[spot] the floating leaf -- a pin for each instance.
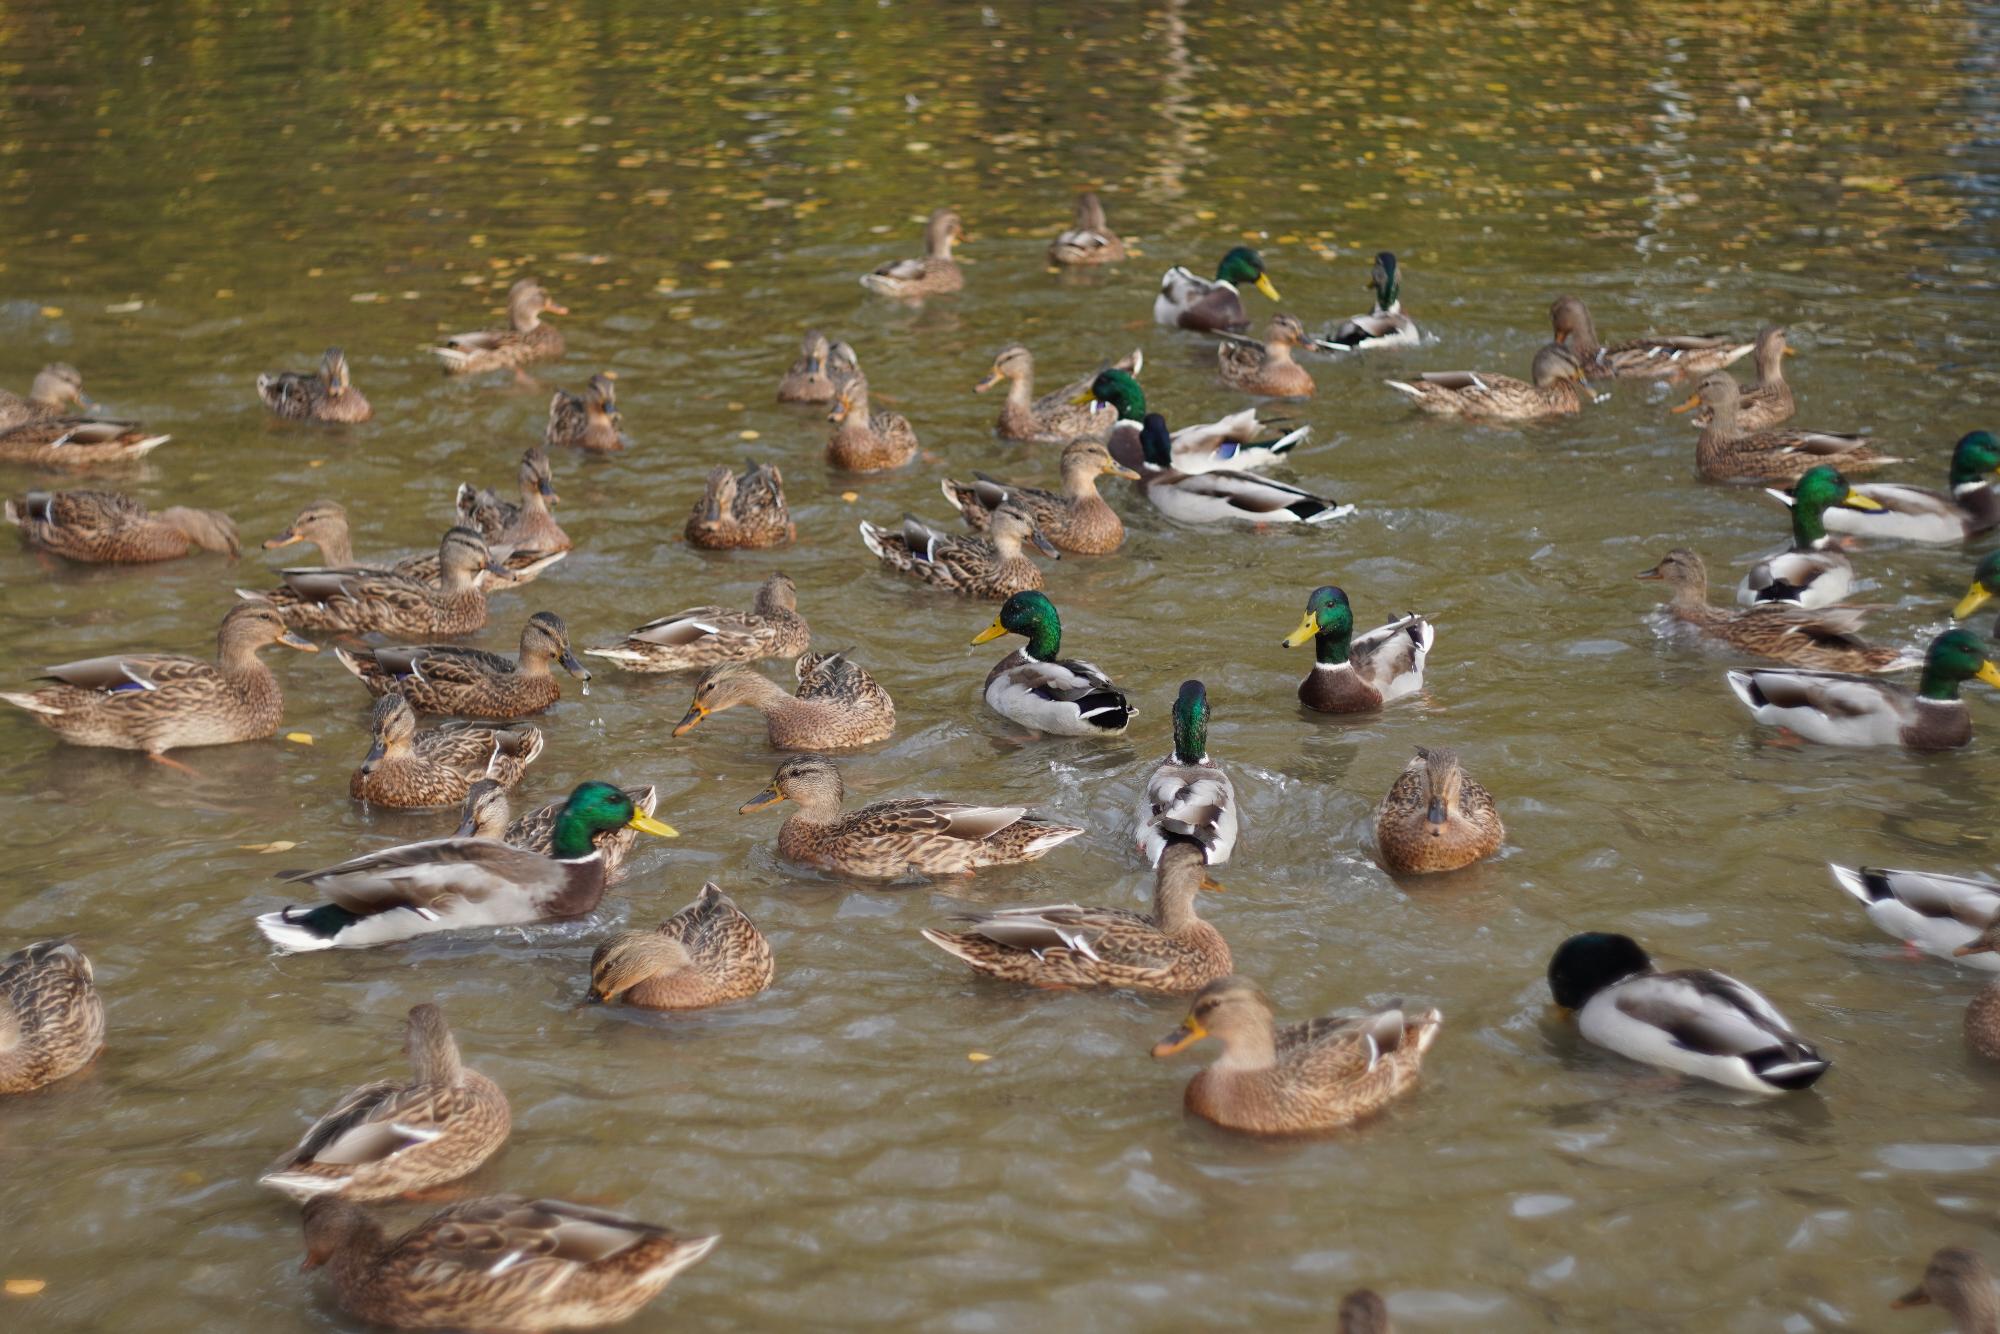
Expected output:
(850, 496)
(299, 738)
(25, 1287)
(51, 312)
(977, 1056)
(266, 849)
(746, 435)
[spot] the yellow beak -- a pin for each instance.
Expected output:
(289, 537)
(1854, 500)
(1975, 598)
(1212, 885)
(1117, 469)
(1264, 285)
(646, 824)
(1989, 673)
(1688, 406)
(993, 631)
(1189, 1033)
(293, 639)
(992, 378)
(770, 796)
(1308, 627)
(1085, 397)
(688, 720)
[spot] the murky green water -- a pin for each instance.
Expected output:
(264, 180)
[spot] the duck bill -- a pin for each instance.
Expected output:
(646, 824)
(1989, 673)
(293, 639)
(1854, 500)
(1435, 818)
(575, 668)
(1914, 1297)
(375, 753)
(1043, 545)
(992, 378)
(1211, 885)
(689, 719)
(839, 413)
(1265, 286)
(1653, 573)
(1087, 396)
(991, 632)
(553, 309)
(1189, 1033)
(284, 539)
(1689, 406)
(1116, 469)
(770, 796)
(1975, 598)
(1308, 627)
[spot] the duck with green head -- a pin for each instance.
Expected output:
(1985, 587)
(1918, 514)
(450, 884)
(1352, 675)
(1838, 710)
(1190, 302)
(1814, 573)
(1386, 325)
(1037, 687)
(1187, 795)
(1240, 441)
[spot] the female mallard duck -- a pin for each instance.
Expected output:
(1557, 390)
(705, 954)
(526, 526)
(1364, 1312)
(1217, 496)
(111, 528)
(157, 702)
(1726, 452)
(73, 444)
(1958, 1283)
(1188, 302)
(501, 1263)
(837, 705)
(1827, 639)
(450, 884)
(864, 440)
(1939, 914)
(1837, 710)
(51, 1015)
(990, 567)
(1814, 572)
(811, 377)
(1654, 357)
(1052, 419)
(56, 386)
(1917, 514)
(470, 682)
(936, 272)
(1187, 795)
(1240, 441)
(1090, 240)
(1352, 675)
(360, 600)
(1694, 1020)
(526, 339)
(888, 839)
(700, 637)
(1982, 1014)
(589, 420)
(1038, 688)
(323, 524)
(325, 395)
(1320, 1075)
(1062, 945)
(1386, 325)
(407, 769)
(1435, 818)
(742, 512)
(1075, 520)
(485, 816)
(394, 1137)
(1768, 402)
(1267, 368)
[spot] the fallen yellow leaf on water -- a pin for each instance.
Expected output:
(718, 264)
(850, 496)
(51, 312)
(746, 435)
(25, 1287)
(1881, 185)
(282, 845)
(315, 463)
(977, 1056)
(302, 738)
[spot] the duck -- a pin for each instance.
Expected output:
(1301, 1079)
(1435, 817)
(111, 528)
(809, 379)
(526, 526)
(78, 444)
(889, 839)
(1187, 795)
(1654, 357)
(1814, 572)
(706, 954)
(396, 1137)
(51, 1014)
(1728, 453)
(1037, 687)
(1826, 640)
(1985, 585)
(1958, 1283)
(1384, 326)
(1982, 1012)
(56, 386)
(361, 600)
(1694, 1021)
(1768, 402)
(988, 566)
(1170, 951)
(451, 884)
(1219, 496)
(525, 341)
(500, 1263)
(1556, 390)
(1090, 239)
(1266, 368)
(323, 524)
(701, 637)
(1969, 508)
(742, 513)
(325, 395)
(934, 273)
(1939, 914)
(157, 702)
(590, 420)
(1055, 418)
(1352, 675)
(1188, 302)
(1364, 1312)
(408, 770)
(864, 440)
(1837, 710)
(1239, 442)
(838, 704)
(1076, 519)
(470, 682)
(486, 811)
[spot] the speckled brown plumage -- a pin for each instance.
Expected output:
(56, 386)
(1556, 390)
(410, 769)
(1267, 368)
(1654, 357)
(991, 567)
(1089, 239)
(838, 704)
(111, 528)
(359, 600)
(1727, 452)
(1826, 638)
(1077, 519)
(527, 524)
(705, 954)
(486, 810)
(1434, 818)
(325, 395)
(1054, 418)
(470, 682)
(323, 524)
(525, 341)
(51, 1017)
(935, 272)
(588, 421)
(864, 440)
(741, 512)
(700, 637)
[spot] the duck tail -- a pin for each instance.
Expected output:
(32, 703)
(295, 930)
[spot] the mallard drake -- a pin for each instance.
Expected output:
(837, 705)
(1386, 325)
(1316, 1076)
(1188, 302)
(1436, 818)
(699, 637)
(56, 386)
(1054, 418)
(742, 512)
(1352, 675)
(1727, 453)
(1939, 914)
(1557, 390)
(589, 420)
(111, 528)
(526, 526)
(1814, 572)
(51, 1014)
(73, 444)
(450, 884)
(1090, 240)
(393, 1137)
(1266, 368)
(1917, 514)
(1984, 587)
(157, 702)
(485, 813)
(1766, 403)
(1827, 639)
(1217, 496)
(470, 682)
(323, 524)
(888, 839)
(1694, 1020)
(1654, 357)
(360, 600)
(810, 378)
(705, 954)
(936, 272)
(1240, 441)
(407, 769)
(501, 1263)
(1061, 945)
(1075, 520)
(1837, 710)
(325, 395)
(1364, 1312)
(526, 339)
(1038, 688)
(1958, 1283)
(990, 567)
(1187, 795)
(863, 440)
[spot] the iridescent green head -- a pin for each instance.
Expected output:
(1191, 723)
(1956, 656)
(1818, 491)
(1386, 281)
(1121, 391)
(1032, 614)
(1328, 622)
(598, 808)
(1244, 267)
(1985, 587)
(1975, 459)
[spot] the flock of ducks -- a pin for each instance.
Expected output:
(506, 1262)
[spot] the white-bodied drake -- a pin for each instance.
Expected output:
(1814, 573)
(1187, 795)
(1939, 914)
(1838, 710)
(1919, 514)
(1221, 497)
(1353, 675)
(1239, 442)
(1386, 325)
(1037, 687)
(1188, 302)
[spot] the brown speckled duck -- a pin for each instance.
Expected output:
(470, 682)
(1827, 638)
(56, 386)
(820, 365)
(1726, 452)
(705, 954)
(935, 272)
(1054, 418)
(864, 440)
(1434, 818)
(1077, 519)
(1267, 368)
(992, 567)
(77, 444)
(747, 512)
(1557, 390)
(361, 600)
(50, 1014)
(1089, 240)
(409, 769)
(486, 811)
(525, 341)
(325, 395)
(701, 637)
(1957, 1282)
(588, 421)
(1654, 357)
(838, 704)
(526, 525)
(1982, 1016)
(1364, 1312)
(111, 528)
(323, 524)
